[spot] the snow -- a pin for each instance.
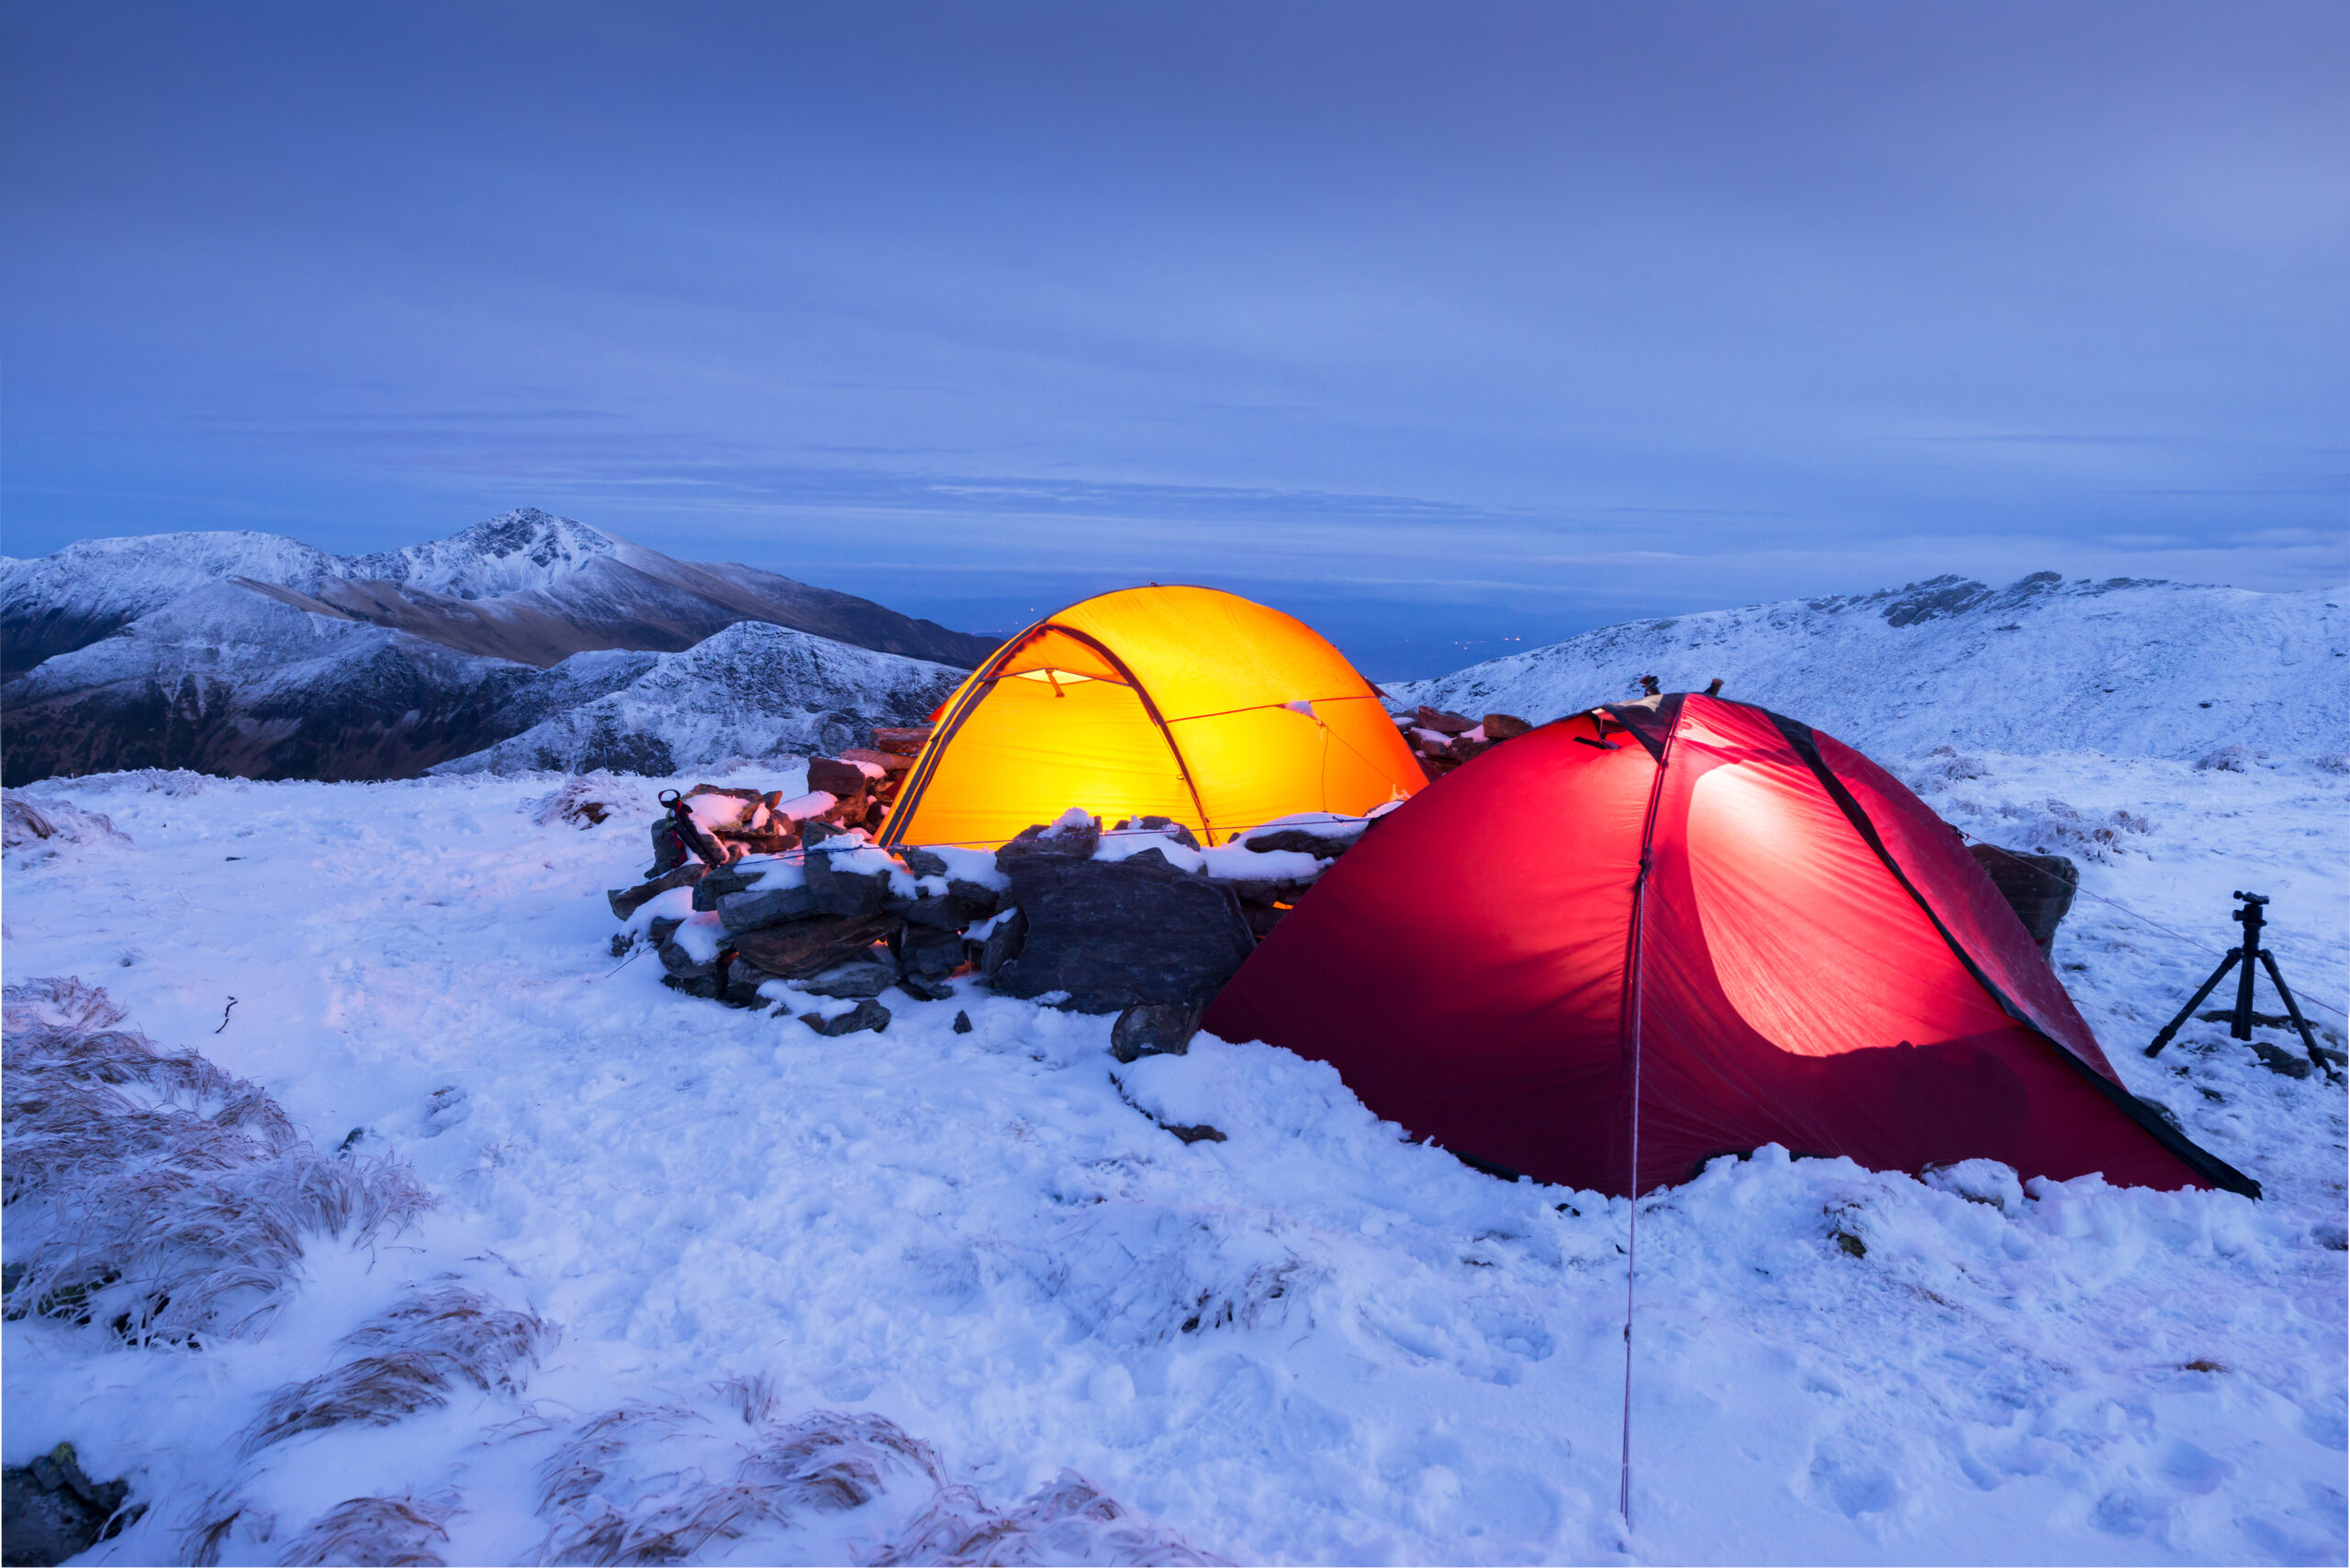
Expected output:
(977, 1266)
(2131, 667)
(750, 690)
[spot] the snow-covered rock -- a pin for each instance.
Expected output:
(751, 690)
(525, 548)
(2125, 666)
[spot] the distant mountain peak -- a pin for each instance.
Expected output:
(524, 548)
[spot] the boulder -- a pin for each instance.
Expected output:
(1154, 1028)
(887, 762)
(981, 900)
(869, 974)
(1321, 845)
(668, 847)
(757, 908)
(1503, 726)
(835, 777)
(901, 740)
(865, 1015)
(924, 989)
(1168, 826)
(626, 901)
(1000, 945)
(1441, 723)
(2038, 888)
(1113, 933)
(1074, 837)
(841, 892)
(53, 1512)
(807, 947)
(929, 953)
(722, 881)
(740, 985)
(659, 931)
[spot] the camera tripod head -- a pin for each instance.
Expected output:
(2251, 898)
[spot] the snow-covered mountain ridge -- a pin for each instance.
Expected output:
(2127, 666)
(526, 585)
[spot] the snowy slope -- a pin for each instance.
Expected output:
(1312, 1342)
(750, 691)
(2127, 666)
(525, 548)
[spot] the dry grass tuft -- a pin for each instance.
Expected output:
(401, 1532)
(152, 1188)
(1068, 1520)
(657, 1484)
(415, 1354)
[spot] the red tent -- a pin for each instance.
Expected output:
(1745, 929)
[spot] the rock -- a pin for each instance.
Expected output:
(1201, 1134)
(981, 900)
(867, 1014)
(1436, 767)
(1464, 749)
(1263, 917)
(1503, 726)
(929, 953)
(742, 982)
(807, 947)
(2038, 888)
(906, 740)
(661, 928)
(1001, 944)
(843, 892)
(924, 989)
(757, 908)
(962, 1023)
(1113, 934)
(685, 966)
(923, 862)
(725, 879)
(838, 777)
(1322, 846)
(864, 976)
(817, 830)
(1154, 1028)
(1167, 825)
(53, 1512)
(2292, 1064)
(886, 761)
(1442, 724)
(626, 901)
(964, 902)
(1071, 838)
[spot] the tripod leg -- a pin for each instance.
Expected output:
(2193, 1002)
(2240, 1028)
(2293, 1011)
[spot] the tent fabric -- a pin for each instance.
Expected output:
(1709, 916)
(1184, 702)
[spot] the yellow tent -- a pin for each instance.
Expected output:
(1181, 703)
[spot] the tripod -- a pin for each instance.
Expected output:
(2241, 1020)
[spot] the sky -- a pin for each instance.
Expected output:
(1450, 327)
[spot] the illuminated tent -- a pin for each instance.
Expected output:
(1635, 940)
(1181, 703)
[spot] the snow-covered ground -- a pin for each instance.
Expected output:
(788, 1262)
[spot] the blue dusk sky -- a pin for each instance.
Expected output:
(1438, 325)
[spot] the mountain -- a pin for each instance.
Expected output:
(227, 682)
(2124, 665)
(527, 587)
(751, 691)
